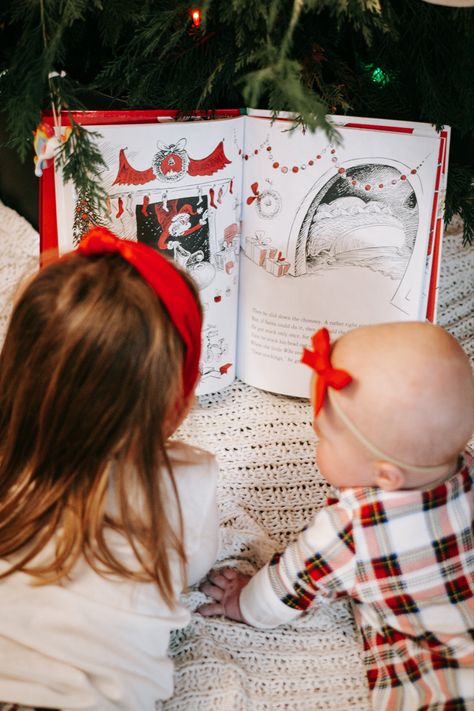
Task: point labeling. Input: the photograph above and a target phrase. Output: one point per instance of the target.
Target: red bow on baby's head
(319, 360)
(167, 283)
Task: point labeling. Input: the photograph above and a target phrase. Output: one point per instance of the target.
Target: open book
(282, 230)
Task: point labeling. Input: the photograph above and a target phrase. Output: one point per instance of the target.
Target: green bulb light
(377, 74)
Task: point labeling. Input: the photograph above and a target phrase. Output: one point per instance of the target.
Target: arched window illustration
(366, 218)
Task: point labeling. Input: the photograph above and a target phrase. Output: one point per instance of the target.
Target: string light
(195, 16)
(377, 74)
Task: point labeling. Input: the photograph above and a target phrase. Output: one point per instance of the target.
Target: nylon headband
(168, 285)
(352, 427)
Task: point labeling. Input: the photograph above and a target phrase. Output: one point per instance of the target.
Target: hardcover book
(282, 229)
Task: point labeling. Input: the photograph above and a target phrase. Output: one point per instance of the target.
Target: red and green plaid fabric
(406, 558)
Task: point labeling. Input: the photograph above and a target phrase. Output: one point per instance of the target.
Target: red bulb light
(196, 17)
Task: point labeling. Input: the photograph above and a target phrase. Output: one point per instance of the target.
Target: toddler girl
(393, 412)
(103, 520)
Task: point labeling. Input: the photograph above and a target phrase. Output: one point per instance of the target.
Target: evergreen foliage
(400, 59)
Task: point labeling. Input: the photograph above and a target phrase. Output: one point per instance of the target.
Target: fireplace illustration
(365, 217)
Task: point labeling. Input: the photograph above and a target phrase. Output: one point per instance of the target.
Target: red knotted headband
(319, 360)
(166, 282)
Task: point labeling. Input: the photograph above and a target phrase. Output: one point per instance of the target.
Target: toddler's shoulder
(195, 473)
(187, 459)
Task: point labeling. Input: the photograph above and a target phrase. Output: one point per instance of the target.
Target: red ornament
(341, 170)
(311, 162)
(413, 172)
(276, 165)
(403, 177)
(195, 16)
(367, 187)
(380, 185)
(295, 169)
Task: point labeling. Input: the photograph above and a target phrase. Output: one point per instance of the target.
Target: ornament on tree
(45, 144)
(452, 3)
(47, 139)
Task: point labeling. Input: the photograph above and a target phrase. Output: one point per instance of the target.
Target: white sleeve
(319, 564)
(201, 522)
(260, 606)
(205, 555)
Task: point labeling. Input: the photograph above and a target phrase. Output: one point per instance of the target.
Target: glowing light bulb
(196, 17)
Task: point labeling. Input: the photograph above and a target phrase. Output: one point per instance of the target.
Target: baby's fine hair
(90, 370)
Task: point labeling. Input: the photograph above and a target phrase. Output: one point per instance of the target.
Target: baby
(394, 410)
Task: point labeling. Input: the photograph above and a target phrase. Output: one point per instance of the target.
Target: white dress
(100, 644)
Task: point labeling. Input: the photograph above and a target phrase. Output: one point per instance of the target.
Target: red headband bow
(319, 360)
(166, 282)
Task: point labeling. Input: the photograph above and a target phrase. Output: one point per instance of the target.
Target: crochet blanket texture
(269, 488)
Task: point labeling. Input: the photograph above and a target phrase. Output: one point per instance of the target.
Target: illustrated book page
(282, 230)
(176, 187)
(333, 234)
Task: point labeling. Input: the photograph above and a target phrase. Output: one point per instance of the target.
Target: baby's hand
(224, 586)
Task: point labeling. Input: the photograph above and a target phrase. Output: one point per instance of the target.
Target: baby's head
(407, 413)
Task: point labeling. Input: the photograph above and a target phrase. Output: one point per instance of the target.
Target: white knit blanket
(269, 488)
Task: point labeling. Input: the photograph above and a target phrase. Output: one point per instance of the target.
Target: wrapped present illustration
(224, 259)
(231, 233)
(277, 265)
(259, 249)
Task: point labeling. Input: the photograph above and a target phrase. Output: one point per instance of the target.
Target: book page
(176, 187)
(334, 235)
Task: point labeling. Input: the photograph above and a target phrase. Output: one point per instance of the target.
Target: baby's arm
(320, 563)
(224, 586)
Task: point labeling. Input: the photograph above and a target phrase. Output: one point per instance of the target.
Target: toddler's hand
(224, 586)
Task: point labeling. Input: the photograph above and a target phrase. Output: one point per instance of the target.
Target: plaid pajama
(406, 558)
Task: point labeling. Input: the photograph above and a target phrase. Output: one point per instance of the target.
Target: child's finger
(212, 591)
(211, 608)
(216, 577)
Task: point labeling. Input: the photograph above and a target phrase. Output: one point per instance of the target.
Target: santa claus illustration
(176, 222)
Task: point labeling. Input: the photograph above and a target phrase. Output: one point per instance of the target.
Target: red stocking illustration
(211, 198)
(144, 208)
(120, 208)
